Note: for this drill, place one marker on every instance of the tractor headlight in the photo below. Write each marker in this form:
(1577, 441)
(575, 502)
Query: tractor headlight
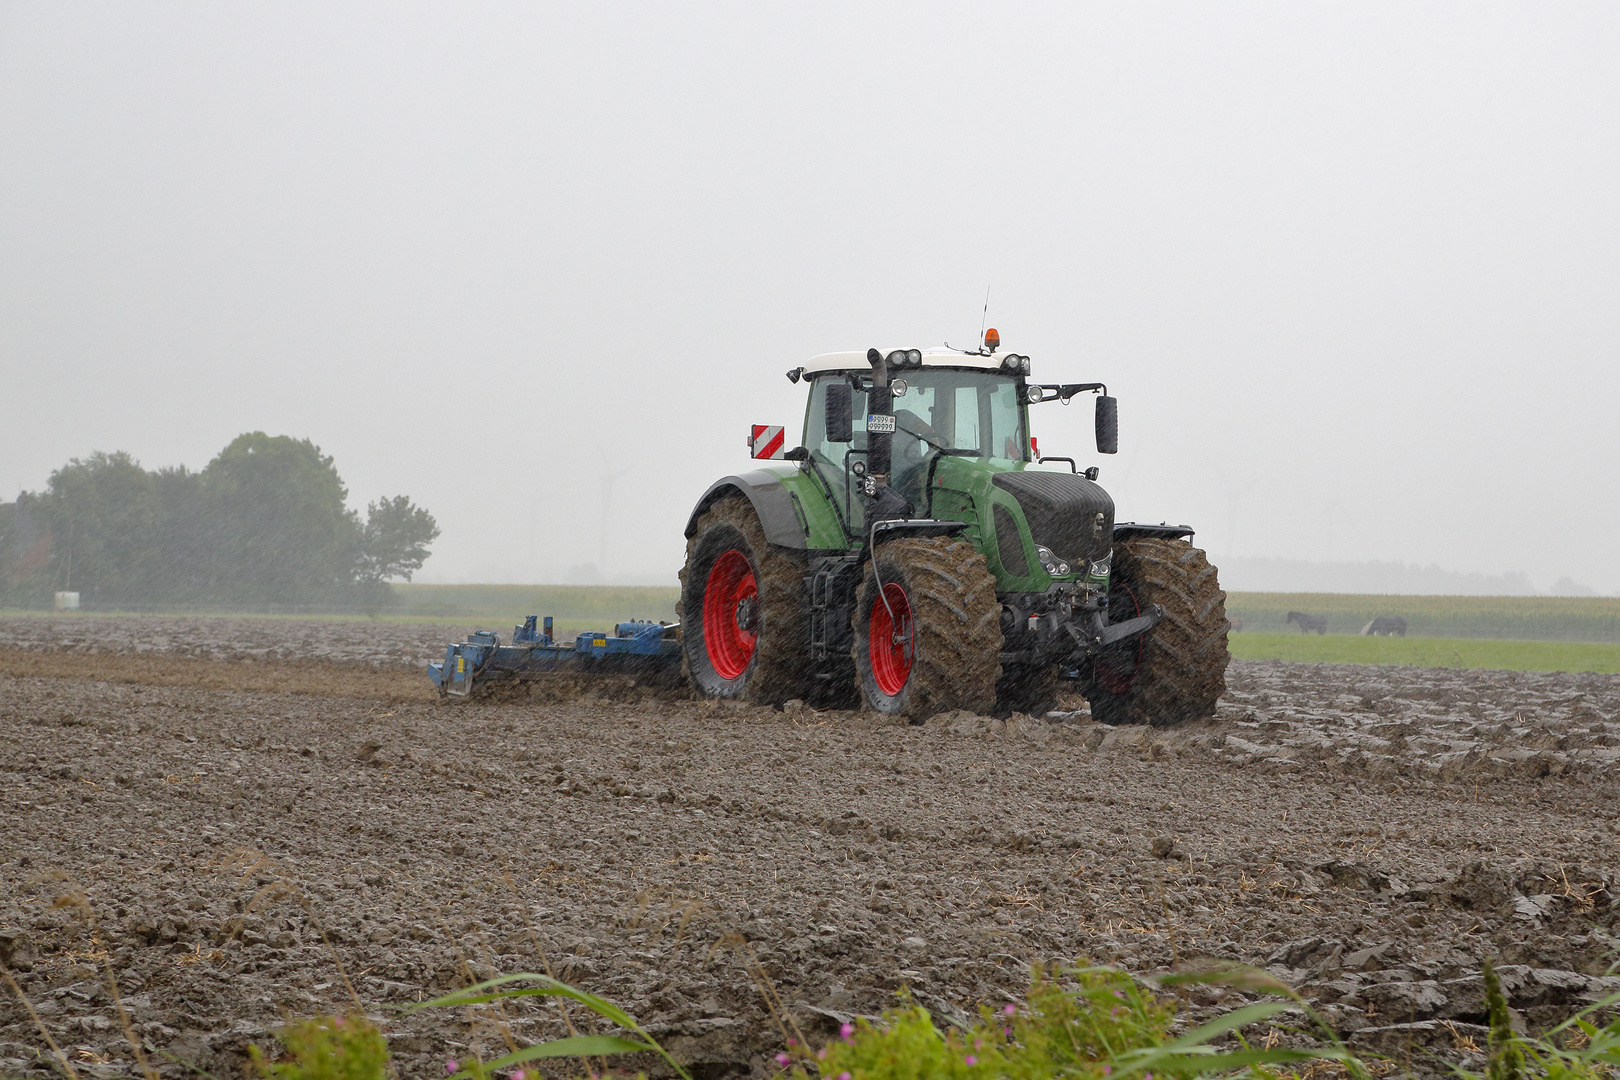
(1050, 562)
(1101, 567)
(897, 387)
(914, 357)
(1023, 365)
(1033, 394)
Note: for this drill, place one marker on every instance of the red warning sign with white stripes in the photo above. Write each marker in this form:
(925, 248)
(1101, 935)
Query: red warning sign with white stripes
(767, 441)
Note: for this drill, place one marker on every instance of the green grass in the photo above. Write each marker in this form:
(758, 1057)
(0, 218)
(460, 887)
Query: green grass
(1087, 1022)
(1521, 618)
(1429, 652)
(1076, 1023)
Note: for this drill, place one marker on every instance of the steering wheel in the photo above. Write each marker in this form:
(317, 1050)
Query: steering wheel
(923, 437)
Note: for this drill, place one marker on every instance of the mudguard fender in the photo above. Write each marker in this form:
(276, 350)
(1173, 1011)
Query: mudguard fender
(779, 512)
(1124, 530)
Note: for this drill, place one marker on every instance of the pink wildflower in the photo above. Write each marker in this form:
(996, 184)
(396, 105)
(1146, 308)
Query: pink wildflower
(843, 1076)
(821, 1055)
(1107, 1069)
(451, 1066)
(1010, 1010)
(1120, 994)
(846, 1031)
(517, 1074)
(1113, 1014)
(783, 1060)
(978, 1044)
(970, 1060)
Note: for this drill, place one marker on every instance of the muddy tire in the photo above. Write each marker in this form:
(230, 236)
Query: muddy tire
(744, 618)
(1027, 688)
(1177, 671)
(943, 600)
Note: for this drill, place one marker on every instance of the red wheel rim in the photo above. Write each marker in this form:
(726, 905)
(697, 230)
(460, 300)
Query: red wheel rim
(730, 614)
(891, 659)
(1113, 679)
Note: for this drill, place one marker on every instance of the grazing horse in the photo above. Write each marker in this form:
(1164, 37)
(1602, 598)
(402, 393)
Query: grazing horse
(1385, 626)
(1307, 623)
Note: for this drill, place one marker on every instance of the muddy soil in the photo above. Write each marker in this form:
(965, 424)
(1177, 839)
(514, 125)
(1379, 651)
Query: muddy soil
(260, 814)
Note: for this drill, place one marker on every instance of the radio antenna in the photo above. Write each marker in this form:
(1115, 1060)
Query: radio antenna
(984, 320)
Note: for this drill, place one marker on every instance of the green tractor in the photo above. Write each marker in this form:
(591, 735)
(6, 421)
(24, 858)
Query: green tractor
(908, 556)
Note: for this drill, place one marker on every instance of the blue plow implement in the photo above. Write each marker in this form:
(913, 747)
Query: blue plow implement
(633, 648)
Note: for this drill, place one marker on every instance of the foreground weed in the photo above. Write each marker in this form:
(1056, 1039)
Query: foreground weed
(1097, 1023)
(580, 1046)
(1577, 1049)
(327, 1048)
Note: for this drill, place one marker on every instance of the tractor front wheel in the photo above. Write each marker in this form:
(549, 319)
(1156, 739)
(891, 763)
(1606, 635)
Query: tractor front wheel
(928, 629)
(744, 629)
(1177, 670)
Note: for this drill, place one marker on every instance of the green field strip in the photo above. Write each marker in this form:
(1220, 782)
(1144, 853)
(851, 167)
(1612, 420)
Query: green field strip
(1525, 618)
(1496, 655)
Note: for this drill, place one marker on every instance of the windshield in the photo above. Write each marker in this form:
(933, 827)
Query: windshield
(942, 409)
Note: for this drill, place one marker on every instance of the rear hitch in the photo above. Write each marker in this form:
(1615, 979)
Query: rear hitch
(1090, 639)
(1109, 633)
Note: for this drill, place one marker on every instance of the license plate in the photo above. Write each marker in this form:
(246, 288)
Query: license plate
(880, 424)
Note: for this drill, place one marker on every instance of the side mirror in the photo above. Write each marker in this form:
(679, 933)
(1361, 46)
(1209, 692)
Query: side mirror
(1107, 424)
(840, 413)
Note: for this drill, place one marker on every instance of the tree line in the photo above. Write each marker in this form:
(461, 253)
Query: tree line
(265, 523)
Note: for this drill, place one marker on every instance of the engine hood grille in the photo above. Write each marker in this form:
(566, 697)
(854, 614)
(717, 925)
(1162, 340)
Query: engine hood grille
(1062, 509)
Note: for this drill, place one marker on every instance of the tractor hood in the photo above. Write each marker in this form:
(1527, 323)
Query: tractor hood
(1065, 512)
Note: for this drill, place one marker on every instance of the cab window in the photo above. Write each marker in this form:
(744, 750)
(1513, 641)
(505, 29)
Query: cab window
(815, 424)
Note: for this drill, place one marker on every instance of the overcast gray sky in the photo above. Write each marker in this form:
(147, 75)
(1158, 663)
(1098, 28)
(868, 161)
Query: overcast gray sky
(1350, 268)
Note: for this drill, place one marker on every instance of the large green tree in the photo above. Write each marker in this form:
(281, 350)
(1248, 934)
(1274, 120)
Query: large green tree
(103, 516)
(275, 523)
(185, 558)
(265, 523)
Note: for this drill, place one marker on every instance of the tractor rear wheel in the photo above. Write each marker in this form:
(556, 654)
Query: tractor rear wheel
(744, 620)
(1177, 670)
(929, 639)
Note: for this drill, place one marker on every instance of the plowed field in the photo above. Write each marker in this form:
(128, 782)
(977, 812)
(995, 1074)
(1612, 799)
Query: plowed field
(223, 793)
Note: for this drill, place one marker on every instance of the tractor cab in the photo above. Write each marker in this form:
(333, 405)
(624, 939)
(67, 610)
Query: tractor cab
(961, 411)
(959, 448)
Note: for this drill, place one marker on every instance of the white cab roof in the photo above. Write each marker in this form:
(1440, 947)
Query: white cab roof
(935, 357)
